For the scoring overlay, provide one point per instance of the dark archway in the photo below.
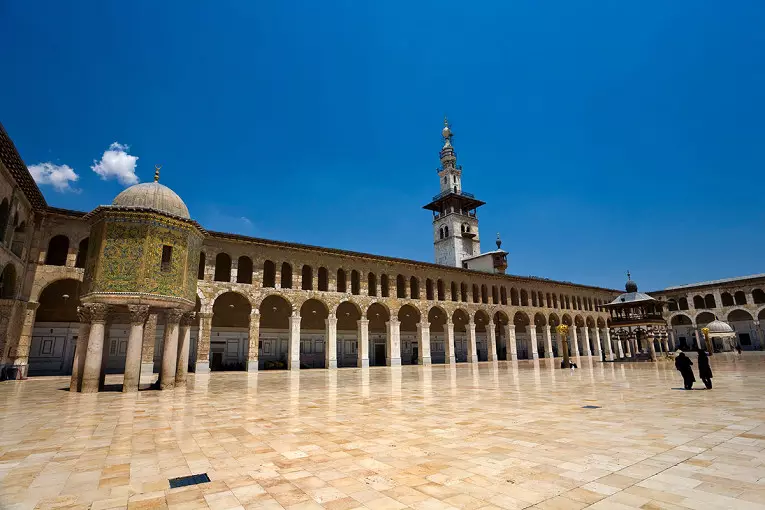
(481, 319)
(56, 329)
(269, 274)
(201, 267)
(460, 318)
(409, 317)
(222, 268)
(437, 319)
(378, 317)
(323, 279)
(306, 279)
(275, 312)
(313, 342)
(348, 315)
(244, 270)
(229, 336)
(8, 282)
(355, 283)
(341, 284)
(58, 249)
(286, 275)
(82, 253)
(372, 284)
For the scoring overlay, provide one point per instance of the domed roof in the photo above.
(152, 195)
(718, 326)
(630, 286)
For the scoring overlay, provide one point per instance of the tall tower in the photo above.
(455, 222)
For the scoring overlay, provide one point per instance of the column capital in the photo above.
(393, 320)
(363, 321)
(98, 312)
(138, 313)
(33, 305)
(254, 312)
(173, 315)
(330, 320)
(188, 318)
(83, 313)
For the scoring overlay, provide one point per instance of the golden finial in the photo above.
(446, 121)
(157, 168)
(629, 277)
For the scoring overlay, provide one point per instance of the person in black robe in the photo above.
(705, 371)
(683, 364)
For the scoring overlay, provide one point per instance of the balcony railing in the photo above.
(450, 191)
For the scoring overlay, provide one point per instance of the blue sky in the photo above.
(604, 136)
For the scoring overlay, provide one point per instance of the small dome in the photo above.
(446, 132)
(630, 286)
(152, 195)
(717, 326)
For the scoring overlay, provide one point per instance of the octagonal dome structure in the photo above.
(155, 196)
(719, 328)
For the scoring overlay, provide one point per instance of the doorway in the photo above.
(379, 355)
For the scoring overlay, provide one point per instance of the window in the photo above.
(167, 257)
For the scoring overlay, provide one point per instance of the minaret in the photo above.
(455, 222)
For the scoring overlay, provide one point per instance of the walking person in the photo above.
(683, 364)
(705, 372)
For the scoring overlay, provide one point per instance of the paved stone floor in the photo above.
(506, 435)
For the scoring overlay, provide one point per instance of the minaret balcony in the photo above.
(469, 235)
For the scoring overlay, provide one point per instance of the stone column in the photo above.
(586, 342)
(449, 345)
(628, 343)
(21, 351)
(664, 338)
(574, 341)
(253, 341)
(491, 340)
(423, 343)
(598, 351)
(91, 372)
(293, 358)
(330, 341)
(696, 336)
(80, 350)
(533, 341)
(651, 348)
(203, 343)
(607, 344)
(512, 344)
(170, 349)
(138, 314)
(393, 343)
(472, 350)
(149, 340)
(620, 346)
(184, 344)
(362, 337)
(672, 343)
(548, 343)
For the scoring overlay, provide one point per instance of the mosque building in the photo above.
(138, 287)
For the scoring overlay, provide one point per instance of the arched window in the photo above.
(494, 295)
(58, 248)
(549, 300)
(446, 231)
(524, 298)
(341, 287)
(414, 288)
(222, 268)
(555, 300)
(672, 305)
(441, 233)
(269, 274)
(5, 213)
(698, 302)
(8, 282)
(400, 286)
(372, 284)
(533, 298)
(201, 268)
(758, 296)
(82, 253)
(476, 294)
(355, 283)
(503, 295)
(484, 294)
(244, 270)
(429, 289)
(323, 279)
(540, 299)
(384, 288)
(306, 278)
(513, 297)
(463, 292)
(440, 290)
(740, 298)
(682, 303)
(727, 299)
(709, 301)
(286, 276)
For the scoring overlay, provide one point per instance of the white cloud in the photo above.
(58, 176)
(116, 162)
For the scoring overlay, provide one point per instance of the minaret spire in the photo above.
(448, 158)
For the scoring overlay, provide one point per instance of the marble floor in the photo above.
(506, 435)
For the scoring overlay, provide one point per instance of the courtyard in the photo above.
(489, 435)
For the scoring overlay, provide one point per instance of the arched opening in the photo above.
(440, 290)
(682, 329)
(378, 317)
(476, 294)
(244, 270)
(522, 336)
(384, 287)
(524, 298)
(58, 248)
(355, 283)
(460, 319)
(437, 319)
(463, 292)
(441, 233)
(503, 295)
(409, 317)
(742, 323)
(555, 300)
(400, 286)
(275, 312)
(484, 295)
(481, 319)
(557, 342)
(533, 299)
(740, 297)
(501, 321)
(429, 289)
(709, 301)
(540, 299)
(222, 268)
(201, 268)
(672, 305)
(727, 299)
(8, 282)
(540, 321)
(513, 296)
(590, 325)
(704, 318)
(230, 332)
(306, 279)
(372, 284)
(454, 292)
(682, 303)
(56, 330)
(5, 211)
(549, 300)
(286, 275)
(82, 253)
(568, 303)
(494, 295)
(341, 284)
(269, 274)
(348, 315)
(758, 296)
(698, 302)
(19, 239)
(313, 315)
(414, 287)
(323, 279)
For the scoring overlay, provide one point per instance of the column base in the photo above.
(252, 365)
(473, 358)
(147, 369)
(331, 364)
(293, 365)
(362, 363)
(202, 367)
(393, 362)
(451, 360)
(424, 361)
(513, 357)
(534, 355)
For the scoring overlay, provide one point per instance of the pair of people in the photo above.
(683, 364)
